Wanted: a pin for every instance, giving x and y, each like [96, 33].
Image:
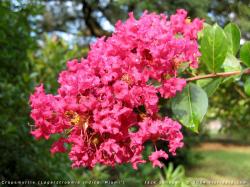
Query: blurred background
[38, 37]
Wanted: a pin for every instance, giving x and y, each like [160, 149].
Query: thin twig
[222, 74]
[240, 92]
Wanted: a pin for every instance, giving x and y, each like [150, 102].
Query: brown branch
[91, 23]
[103, 10]
[240, 92]
[222, 74]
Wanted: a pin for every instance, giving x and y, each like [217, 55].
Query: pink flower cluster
[107, 105]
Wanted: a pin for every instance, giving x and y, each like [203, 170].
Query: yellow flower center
[76, 119]
[126, 78]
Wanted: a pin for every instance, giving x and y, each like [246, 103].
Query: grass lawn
[222, 165]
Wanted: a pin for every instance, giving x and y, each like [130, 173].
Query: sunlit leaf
[233, 37]
[213, 47]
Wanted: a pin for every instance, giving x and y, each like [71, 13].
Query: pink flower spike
[107, 105]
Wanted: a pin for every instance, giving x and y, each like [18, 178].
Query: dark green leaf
[213, 47]
[190, 106]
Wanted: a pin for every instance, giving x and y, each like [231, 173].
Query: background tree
[21, 60]
[90, 18]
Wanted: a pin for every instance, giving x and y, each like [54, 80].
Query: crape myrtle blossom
[117, 89]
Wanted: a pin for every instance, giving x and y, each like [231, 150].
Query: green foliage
[135, 177]
[247, 86]
[190, 106]
[233, 37]
[50, 59]
[230, 93]
[174, 177]
[210, 85]
[213, 47]
[231, 63]
[21, 157]
[15, 144]
[245, 54]
[231, 106]
[235, 116]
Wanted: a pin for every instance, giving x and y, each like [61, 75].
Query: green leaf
[245, 53]
[233, 37]
[247, 86]
[209, 85]
[190, 106]
[231, 63]
[213, 47]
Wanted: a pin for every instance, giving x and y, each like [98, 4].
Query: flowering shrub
[107, 105]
